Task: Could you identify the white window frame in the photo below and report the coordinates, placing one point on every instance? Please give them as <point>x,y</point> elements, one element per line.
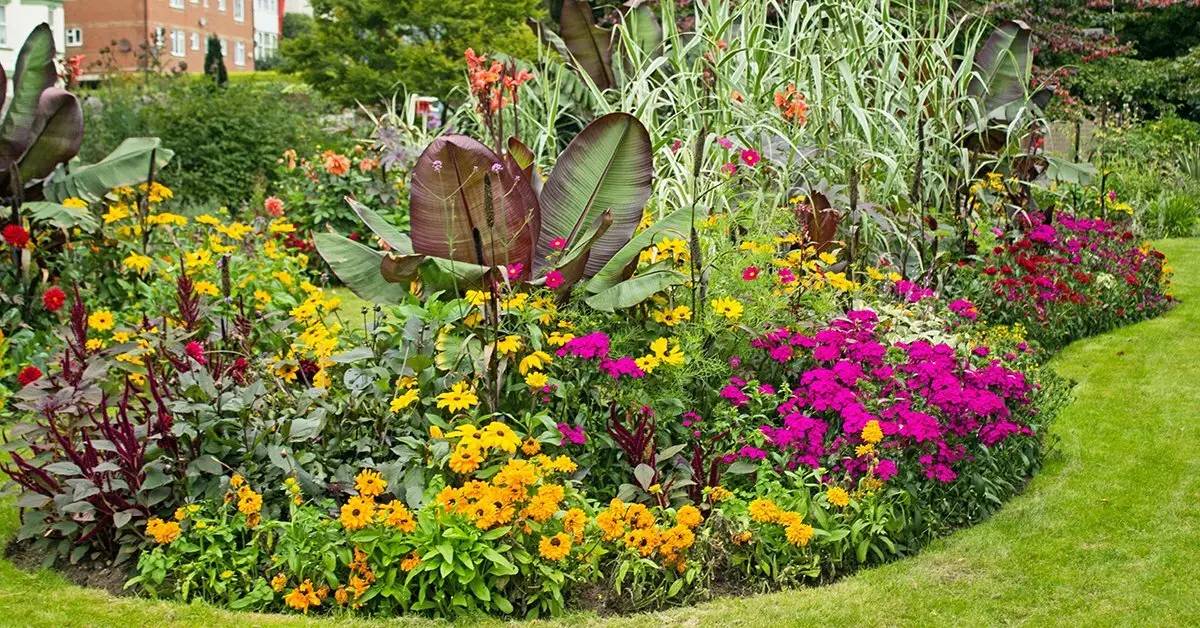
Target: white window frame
<point>176,4</point>
<point>224,49</point>
<point>239,53</point>
<point>220,5</point>
<point>3,26</point>
<point>73,37</point>
<point>239,10</point>
<point>178,43</point>
<point>195,41</point>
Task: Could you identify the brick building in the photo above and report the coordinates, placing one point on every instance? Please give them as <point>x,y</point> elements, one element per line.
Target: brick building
<point>177,31</point>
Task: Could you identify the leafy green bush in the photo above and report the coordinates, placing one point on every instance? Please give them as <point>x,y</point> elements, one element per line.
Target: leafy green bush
<point>226,140</point>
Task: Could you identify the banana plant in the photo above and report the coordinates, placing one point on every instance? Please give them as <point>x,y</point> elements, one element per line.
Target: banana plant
<point>1003,67</point>
<point>476,216</point>
<point>596,52</point>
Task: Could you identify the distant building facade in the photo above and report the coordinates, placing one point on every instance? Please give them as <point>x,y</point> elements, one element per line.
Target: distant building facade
<point>268,23</point>
<point>18,18</point>
<point>122,35</point>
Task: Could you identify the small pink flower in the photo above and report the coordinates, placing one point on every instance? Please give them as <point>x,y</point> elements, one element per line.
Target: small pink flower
<point>676,146</point>
<point>554,279</point>
<point>786,275</point>
<point>750,273</point>
<point>725,143</point>
<point>514,270</point>
<point>558,244</point>
<point>729,168</point>
<point>750,157</point>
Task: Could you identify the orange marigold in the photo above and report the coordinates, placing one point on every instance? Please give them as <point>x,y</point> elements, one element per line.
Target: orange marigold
<point>555,547</point>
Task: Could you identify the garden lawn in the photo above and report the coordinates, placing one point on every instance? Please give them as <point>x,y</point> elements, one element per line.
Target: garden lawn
<point>1107,533</point>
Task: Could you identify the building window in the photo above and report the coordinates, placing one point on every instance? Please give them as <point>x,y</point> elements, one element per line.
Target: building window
<point>74,36</point>
<point>239,10</point>
<point>224,49</point>
<point>159,36</point>
<point>195,41</point>
<point>3,25</point>
<point>178,43</point>
<point>176,4</point>
<point>239,53</point>
<point>220,5</point>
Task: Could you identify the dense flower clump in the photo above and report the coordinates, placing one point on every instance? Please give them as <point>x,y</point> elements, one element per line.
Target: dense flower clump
<point>853,403</point>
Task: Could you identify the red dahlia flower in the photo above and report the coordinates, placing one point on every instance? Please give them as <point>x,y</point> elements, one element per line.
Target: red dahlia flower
<point>16,235</point>
<point>53,299</point>
<point>28,375</point>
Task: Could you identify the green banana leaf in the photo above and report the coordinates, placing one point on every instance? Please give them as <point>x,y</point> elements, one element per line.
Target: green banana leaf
<point>358,266</point>
<point>61,216</point>
<point>128,164</point>
<point>399,242</point>
<point>677,224</point>
<point>632,292</point>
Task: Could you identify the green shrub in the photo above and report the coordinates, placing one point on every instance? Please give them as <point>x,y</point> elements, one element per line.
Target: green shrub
<point>226,140</point>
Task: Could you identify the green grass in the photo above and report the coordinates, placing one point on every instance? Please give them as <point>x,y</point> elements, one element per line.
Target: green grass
<point>1107,534</point>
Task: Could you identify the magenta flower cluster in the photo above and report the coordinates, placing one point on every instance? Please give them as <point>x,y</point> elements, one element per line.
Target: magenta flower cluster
<point>933,404</point>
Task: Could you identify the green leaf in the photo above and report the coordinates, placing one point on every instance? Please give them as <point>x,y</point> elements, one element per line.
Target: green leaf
<point>61,216</point>
<point>479,588</point>
<point>1002,66</point>
<point>57,134</point>
<point>607,167</point>
<point>358,266</point>
<point>391,236</point>
<point>677,224</point>
<point>630,293</point>
<point>63,468</point>
<point>128,164</point>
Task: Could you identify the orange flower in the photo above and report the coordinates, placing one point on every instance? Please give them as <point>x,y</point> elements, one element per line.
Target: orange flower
<point>337,165</point>
<point>555,547</point>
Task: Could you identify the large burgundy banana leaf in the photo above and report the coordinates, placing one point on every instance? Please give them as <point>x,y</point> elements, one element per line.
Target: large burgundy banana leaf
<point>1002,65</point>
<point>608,167</point>
<point>462,188</point>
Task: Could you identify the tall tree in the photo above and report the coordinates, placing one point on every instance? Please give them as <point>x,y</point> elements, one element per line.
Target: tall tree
<point>214,61</point>
<point>366,50</point>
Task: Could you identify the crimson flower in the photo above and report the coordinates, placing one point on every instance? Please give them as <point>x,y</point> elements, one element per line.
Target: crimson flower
<point>53,299</point>
<point>16,235</point>
<point>750,157</point>
<point>28,375</point>
<point>554,279</point>
<point>558,244</point>
<point>750,273</point>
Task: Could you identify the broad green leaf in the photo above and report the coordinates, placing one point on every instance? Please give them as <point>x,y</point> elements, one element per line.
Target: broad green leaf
<point>607,167</point>
<point>34,74</point>
<point>358,267</point>
<point>632,292</point>
<point>61,216</point>
<point>391,236</point>
<point>621,266</point>
<point>1002,65</point>
<point>128,164</point>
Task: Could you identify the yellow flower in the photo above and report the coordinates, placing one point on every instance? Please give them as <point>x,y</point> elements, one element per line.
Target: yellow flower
<point>508,345</point>
<point>673,357</point>
<point>647,363</point>
<point>137,263</point>
<point>235,231</point>
<point>475,298</point>
<point>279,582</point>
<point>209,219</point>
<point>799,534</point>
<point>838,496</point>
<point>405,400</point>
<point>163,532</point>
<point>871,432</point>
<point>167,218</point>
<point>535,360</point>
<point>689,516</point>
<point>673,316</point>
<point>536,380</point>
<point>555,547</point>
<point>395,514</point>
<point>263,299</point>
<point>827,258</point>
<point>206,288</point>
<point>764,511</point>
<point>302,597</point>
<point>75,202</point>
<point>357,513</point>
<point>100,320</point>
<point>645,540</point>
<point>465,459</point>
<point>281,226</point>
<point>249,502</point>
<point>530,446</point>
<point>864,450</point>
<point>729,308</point>
<point>120,211</point>
<point>460,397</point>
<point>283,277</point>
<point>558,338</point>
<point>93,344</point>
<point>410,563</point>
<point>369,483</point>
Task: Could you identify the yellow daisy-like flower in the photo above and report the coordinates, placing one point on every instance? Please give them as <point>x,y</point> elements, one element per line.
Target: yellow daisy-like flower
<point>764,511</point>
<point>206,288</point>
<point>508,345</point>
<point>558,338</point>
<point>137,263</point>
<point>838,496</point>
<point>871,432</point>
<point>460,397</point>
<point>729,308</point>
<point>100,320</point>
<point>465,459</point>
<point>210,220</point>
<point>357,513</point>
<point>405,400</point>
<point>536,380</point>
<point>799,534</point>
<point>120,211</point>
<point>534,361</point>
<point>369,483</point>
<point>555,547</point>
<point>647,363</point>
<point>673,316</point>
<point>689,516</point>
<point>672,356</point>
<point>476,298</point>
